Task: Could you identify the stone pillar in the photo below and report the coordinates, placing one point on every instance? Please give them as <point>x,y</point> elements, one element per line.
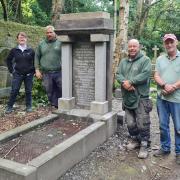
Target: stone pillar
<point>67,102</point>
<point>100,105</point>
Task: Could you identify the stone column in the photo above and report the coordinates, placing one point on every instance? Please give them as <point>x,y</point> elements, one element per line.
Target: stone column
<point>67,102</point>
<point>100,105</point>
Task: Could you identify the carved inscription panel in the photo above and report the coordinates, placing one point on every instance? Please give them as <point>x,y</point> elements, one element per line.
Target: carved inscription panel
<point>84,74</point>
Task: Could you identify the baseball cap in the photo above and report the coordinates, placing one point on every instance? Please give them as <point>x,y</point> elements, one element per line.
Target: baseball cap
<point>169,36</point>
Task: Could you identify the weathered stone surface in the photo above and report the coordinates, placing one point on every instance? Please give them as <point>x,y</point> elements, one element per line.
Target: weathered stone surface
<point>99,107</point>
<point>86,15</point>
<point>84,23</point>
<point>99,37</point>
<point>118,93</point>
<point>5,77</point>
<point>66,103</point>
<point>67,70</point>
<point>83,74</point>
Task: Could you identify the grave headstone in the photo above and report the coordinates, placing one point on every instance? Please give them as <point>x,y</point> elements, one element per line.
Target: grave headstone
<point>86,61</point>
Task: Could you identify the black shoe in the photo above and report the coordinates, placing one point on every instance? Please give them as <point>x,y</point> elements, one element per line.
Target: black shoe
<point>160,153</point>
<point>9,110</point>
<point>29,109</point>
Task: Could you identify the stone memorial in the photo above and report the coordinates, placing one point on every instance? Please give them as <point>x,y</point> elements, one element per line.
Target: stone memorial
<point>86,61</point>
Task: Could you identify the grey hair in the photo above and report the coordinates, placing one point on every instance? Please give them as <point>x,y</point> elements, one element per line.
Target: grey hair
<point>49,27</point>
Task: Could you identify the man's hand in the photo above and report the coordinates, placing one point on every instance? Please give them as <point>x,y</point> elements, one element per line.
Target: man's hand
<point>38,74</point>
<point>169,88</point>
<point>128,86</point>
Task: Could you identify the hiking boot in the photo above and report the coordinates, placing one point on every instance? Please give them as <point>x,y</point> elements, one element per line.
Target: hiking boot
<point>143,152</point>
<point>178,159</point>
<point>9,110</point>
<point>29,109</point>
<point>160,153</point>
<point>132,145</point>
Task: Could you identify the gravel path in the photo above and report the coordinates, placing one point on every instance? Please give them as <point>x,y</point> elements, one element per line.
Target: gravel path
<point>111,160</point>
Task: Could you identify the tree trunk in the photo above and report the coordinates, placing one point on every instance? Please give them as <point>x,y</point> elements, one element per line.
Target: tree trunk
<point>143,7</point>
<point>4,7</point>
<point>57,8</point>
<point>122,37</point>
<point>18,13</point>
<point>115,23</point>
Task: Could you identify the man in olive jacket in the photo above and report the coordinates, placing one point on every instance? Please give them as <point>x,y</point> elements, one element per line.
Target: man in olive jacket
<point>48,65</point>
<point>134,75</point>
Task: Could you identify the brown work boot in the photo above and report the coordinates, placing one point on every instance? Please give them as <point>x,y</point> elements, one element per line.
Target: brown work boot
<point>143,152</point>
<point>178,159</point>
<point>160,153</point>
<point>133,144</point>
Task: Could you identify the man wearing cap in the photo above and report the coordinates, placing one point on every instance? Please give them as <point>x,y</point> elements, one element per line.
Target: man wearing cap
<point>167,77</point>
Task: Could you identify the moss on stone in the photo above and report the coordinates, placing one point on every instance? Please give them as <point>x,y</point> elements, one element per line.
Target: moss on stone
<point>9,30</point>
<point>8,33</point>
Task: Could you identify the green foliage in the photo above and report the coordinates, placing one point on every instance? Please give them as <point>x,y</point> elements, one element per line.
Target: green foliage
<point>45,6</point>
<point>116,84</point>
<point>38,93</point>
<point>9,30</point>
<point>33,14</point>
<point>39,16</point>
<point>75,6</point>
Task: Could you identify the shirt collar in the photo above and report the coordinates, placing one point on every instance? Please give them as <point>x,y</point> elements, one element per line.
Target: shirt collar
<point>177,54</point>
<point>22,48</point>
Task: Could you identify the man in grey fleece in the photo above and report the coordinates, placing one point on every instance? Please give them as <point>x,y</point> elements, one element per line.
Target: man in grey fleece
<point>134,75</point>
<point>48,65</point>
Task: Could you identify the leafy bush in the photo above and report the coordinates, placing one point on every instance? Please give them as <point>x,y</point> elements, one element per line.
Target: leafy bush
<point>116,84</point>
<point>38,93</point>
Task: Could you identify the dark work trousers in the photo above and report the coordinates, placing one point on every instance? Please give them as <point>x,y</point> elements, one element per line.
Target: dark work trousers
<point>16,84</point>
<point>138,121</point>
<point>52,83</point>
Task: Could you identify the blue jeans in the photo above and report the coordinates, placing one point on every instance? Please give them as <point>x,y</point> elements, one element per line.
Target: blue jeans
<point>165,110</point>
<point>16,84</point>
<point>52,83</point>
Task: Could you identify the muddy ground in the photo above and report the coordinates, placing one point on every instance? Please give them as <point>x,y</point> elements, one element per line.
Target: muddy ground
<point>111,160</point>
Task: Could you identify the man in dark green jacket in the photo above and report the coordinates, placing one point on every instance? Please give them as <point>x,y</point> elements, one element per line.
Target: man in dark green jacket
<point>134,75</point>
<point>48,65</point>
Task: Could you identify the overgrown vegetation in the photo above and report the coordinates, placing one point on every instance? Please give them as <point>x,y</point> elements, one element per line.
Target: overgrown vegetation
<point>38,94</point>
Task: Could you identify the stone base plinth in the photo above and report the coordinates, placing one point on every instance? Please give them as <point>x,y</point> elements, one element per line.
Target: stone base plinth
<point>66,104</point>
<point>99,107</point>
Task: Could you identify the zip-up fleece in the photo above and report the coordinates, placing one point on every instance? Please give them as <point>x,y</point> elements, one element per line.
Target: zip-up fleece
<point>21,62</point>
<point>138,72</point>
<point>48,56</point>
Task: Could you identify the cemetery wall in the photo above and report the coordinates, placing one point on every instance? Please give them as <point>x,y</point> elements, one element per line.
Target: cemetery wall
<point>8,32</point>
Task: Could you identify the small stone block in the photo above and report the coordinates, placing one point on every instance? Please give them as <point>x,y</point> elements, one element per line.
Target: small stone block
<point>99,107</point>
<point>66,103</point>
